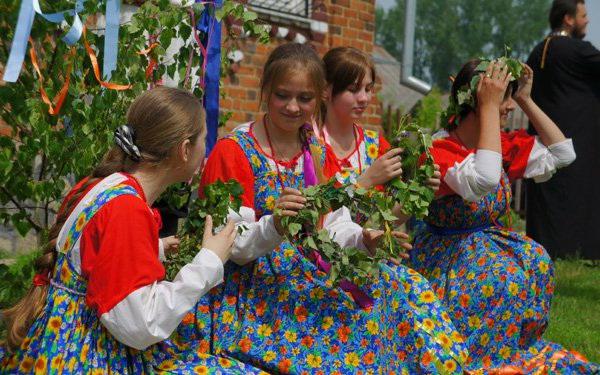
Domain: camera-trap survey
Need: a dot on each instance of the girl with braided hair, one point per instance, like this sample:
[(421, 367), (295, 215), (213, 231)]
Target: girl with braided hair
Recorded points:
[(99, 294)]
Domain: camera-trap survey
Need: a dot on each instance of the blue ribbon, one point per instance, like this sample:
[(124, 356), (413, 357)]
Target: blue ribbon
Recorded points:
[(111, 37), (24, 23), (211, 28)]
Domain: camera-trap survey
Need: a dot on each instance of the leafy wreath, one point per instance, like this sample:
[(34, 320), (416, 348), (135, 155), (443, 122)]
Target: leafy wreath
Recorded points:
[(353, 264), (465, 96)]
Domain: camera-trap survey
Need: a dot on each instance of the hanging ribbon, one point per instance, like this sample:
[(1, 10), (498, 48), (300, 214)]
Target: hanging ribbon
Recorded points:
[(210, 49), (96, 68), (111, 37), (53, 109), (23, 30), (151, 62)]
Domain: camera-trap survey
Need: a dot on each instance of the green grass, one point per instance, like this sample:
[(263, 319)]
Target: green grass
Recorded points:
[(575, 312)]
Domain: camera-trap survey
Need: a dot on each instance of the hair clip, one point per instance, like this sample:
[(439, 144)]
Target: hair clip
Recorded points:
[(125, 138)]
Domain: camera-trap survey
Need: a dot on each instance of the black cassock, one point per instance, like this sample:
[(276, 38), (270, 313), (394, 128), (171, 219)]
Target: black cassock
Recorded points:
[(563, 214)]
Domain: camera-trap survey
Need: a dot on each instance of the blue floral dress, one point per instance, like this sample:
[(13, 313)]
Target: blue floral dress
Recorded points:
[(496, 285), (68, 337), (282, 315)]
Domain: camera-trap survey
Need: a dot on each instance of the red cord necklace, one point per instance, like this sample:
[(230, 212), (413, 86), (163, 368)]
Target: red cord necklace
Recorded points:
[(356, 145), (272, 156)]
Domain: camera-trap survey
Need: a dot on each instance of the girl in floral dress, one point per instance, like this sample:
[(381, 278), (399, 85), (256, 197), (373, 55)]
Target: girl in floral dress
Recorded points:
[(278, 311), (98, 295), (496, 284), (353, 154)]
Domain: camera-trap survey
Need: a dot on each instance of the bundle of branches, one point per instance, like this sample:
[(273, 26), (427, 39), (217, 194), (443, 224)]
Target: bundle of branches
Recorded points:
[(218, 198), (411, 191), (354, 264)]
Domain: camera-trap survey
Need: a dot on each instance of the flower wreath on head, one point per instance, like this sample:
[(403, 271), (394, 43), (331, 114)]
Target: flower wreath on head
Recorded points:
[(466, 94)]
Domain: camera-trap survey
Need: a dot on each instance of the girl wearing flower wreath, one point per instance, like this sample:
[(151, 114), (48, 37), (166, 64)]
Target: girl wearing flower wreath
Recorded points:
[(496, 284), (277, 310), (98, 296)]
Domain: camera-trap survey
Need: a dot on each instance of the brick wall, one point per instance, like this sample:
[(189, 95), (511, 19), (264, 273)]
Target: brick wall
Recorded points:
[(348, 23)]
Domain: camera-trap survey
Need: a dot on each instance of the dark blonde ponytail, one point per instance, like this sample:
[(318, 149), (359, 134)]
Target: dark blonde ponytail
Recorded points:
[(161, 119)]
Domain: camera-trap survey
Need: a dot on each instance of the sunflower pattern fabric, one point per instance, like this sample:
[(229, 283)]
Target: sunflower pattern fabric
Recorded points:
[(68, 336), (496, 284), (370, 146), (280, 314)]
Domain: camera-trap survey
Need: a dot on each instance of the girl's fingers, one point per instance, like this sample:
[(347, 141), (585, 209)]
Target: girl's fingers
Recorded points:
[(489, 69), (481, 78), (207, 228), (292, 191), (229, 228), (290, 206), (401, 235), (397, 166), (292, 198), (504, 72), (392, 153), (395, 261), (288, 213), (396, 173), (406, 245)]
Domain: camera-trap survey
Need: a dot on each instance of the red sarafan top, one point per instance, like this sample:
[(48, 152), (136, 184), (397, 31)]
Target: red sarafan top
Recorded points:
[(522, 156), (119, 247), (370, 145), (229, 161)]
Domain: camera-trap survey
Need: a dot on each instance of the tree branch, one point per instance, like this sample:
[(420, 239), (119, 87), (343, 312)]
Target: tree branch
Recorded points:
[(33, 224)]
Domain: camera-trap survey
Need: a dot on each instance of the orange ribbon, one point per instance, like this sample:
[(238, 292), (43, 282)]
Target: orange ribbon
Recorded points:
[(53, 109), (96, 68), (152, 62)]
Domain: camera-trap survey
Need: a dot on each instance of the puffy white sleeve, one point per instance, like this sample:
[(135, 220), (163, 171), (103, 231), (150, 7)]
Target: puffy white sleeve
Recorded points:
[(544, 161), (151, 313), (477, 175), (343, 230), (260, 237)]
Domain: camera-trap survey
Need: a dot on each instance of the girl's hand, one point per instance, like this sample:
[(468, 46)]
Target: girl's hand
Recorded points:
[(170, 244), (221, 242), (492, 85), (525, 82), (385, 168), (288, 204), (436, 180), (371, 238)]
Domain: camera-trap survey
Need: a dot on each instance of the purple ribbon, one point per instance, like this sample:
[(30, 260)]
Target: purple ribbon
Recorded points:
[(310, 179)]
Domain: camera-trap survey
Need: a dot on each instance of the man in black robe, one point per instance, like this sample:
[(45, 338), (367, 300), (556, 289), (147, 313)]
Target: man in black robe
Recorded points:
[(563, 214)]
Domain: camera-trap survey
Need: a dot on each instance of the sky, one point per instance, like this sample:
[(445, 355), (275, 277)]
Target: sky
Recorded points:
[(593, 8)]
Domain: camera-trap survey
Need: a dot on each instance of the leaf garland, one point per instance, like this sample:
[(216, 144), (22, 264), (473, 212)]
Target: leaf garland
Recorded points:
[(304, 230), (357, 265), (465, 96), (218, 198)]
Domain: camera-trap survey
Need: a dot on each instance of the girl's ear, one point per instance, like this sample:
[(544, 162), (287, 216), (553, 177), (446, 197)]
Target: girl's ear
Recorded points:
[(327, 93), (184, 151)]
